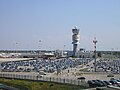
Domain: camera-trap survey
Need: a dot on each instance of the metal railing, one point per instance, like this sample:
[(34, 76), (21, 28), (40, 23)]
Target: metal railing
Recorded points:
[(39, 78)]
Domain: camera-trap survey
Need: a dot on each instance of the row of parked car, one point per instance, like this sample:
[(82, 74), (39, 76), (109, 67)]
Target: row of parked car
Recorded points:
[(47, 65), (108, 65), (100, 83)]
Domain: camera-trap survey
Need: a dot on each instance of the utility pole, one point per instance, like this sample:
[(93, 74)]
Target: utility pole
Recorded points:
[(95, 42)]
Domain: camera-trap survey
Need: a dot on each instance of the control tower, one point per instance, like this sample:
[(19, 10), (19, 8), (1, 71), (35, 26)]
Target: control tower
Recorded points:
[(75, 39)]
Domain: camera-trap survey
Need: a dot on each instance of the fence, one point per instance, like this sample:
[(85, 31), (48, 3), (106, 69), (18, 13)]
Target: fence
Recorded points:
[(39, 78)]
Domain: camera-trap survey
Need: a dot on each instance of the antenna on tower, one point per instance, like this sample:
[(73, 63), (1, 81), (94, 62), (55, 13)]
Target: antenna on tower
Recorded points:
[(75, 27)]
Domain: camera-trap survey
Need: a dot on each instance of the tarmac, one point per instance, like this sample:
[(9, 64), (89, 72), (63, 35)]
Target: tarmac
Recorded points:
[(13, 59)]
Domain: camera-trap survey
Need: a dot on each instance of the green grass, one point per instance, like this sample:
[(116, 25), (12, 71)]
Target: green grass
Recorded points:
[(84, 70), (32, 85)]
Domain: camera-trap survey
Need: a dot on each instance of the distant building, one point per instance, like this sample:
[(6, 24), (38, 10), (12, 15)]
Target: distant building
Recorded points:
[(84, 54), (61, 53), (81, 53)]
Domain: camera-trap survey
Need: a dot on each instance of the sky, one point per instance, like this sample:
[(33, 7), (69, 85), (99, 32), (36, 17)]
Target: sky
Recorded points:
[(48, 24)]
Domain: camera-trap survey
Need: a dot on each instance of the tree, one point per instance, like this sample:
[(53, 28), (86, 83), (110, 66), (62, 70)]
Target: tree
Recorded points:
[(99, 54)]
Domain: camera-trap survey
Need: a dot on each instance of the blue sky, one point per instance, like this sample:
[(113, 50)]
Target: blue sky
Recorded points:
[(25, 22)]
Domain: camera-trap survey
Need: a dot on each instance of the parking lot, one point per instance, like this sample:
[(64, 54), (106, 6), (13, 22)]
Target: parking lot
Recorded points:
[(38, 65), (108, 65)]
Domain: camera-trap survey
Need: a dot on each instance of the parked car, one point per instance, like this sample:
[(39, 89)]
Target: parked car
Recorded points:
[(107, 82), (96, 83), (115, 81)]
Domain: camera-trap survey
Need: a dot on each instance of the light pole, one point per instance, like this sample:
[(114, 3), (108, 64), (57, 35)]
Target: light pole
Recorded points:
[(64, 51), (95, 42), (117, 53), (39, 50), (16, 46), (0, 66), (112, 53)]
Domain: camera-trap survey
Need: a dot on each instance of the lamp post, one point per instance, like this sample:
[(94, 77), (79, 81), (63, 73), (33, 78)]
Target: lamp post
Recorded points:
[(16, 46), (112, 53), (117, 53), (39, 51), (0, 66), (95, 42)]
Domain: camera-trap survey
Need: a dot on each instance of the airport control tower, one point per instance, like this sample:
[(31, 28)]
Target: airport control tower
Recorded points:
[(75, 39)]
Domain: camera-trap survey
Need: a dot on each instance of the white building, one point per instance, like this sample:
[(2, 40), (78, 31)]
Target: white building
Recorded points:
[(84, 54), (60, 53)]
